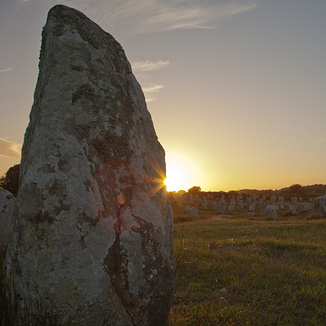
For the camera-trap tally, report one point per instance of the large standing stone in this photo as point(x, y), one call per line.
point(7, 206)
point(93, 238)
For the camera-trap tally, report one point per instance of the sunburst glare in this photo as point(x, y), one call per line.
point(175, 178)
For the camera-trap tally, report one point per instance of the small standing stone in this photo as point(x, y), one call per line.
point(320, 206)
point(221, 206)
point(271, 212)
point(294, 207)
point(305, 207)
point(262, 206)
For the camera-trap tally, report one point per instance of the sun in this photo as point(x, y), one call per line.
point(181, 170)
point(175, 178)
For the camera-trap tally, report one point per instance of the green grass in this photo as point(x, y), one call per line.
point(237, 271)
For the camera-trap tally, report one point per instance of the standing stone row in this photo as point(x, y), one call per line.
point(269, 209)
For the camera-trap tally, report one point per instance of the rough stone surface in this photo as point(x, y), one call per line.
point(262, 207)
point(7, 206)
point(271, 212)
point(93, 238)
point(192, 211)
point(293, 206)
point(231, 207)
point(240, 205)
point(252, 207)
point(320, 206)
point(221, 206)
point(305, 207)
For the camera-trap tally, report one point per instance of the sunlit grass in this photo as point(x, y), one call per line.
point(236, 271)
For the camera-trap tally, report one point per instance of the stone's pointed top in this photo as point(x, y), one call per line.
point(62, 13)
point(59, 11)
point(63, 20)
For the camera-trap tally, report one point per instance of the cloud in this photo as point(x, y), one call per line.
point(5, 70)
point(166, 15)
point(142, 66)
point(147, 16)
point(150, 90)
point(9, 149)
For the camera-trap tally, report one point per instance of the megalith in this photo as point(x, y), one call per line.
point(93, 235)
point(7, 206)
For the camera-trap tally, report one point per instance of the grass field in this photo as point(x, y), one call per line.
point(245, 270)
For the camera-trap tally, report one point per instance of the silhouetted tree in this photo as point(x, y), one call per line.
point(195, 190)
point(297, 190)
point(10, 181)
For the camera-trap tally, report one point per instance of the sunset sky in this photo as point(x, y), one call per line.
point(236, 88)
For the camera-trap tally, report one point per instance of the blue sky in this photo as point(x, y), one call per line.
point(236, 89)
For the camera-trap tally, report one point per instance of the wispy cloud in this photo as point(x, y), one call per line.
point(147, 16)
point(153, 88)
point(150, 90)
point(9, 149)
point(140, 67)
point(147, 65)
point(5, 70)
point(167, 15)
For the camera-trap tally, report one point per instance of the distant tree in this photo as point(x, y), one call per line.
point(10, 181)
point(232, 193)
point(296, 190)
point(195, 190)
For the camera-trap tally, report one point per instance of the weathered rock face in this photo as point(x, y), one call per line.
point(7, 206)
point(93, 236)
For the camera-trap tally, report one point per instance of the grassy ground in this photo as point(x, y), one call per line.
point(245, 270)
